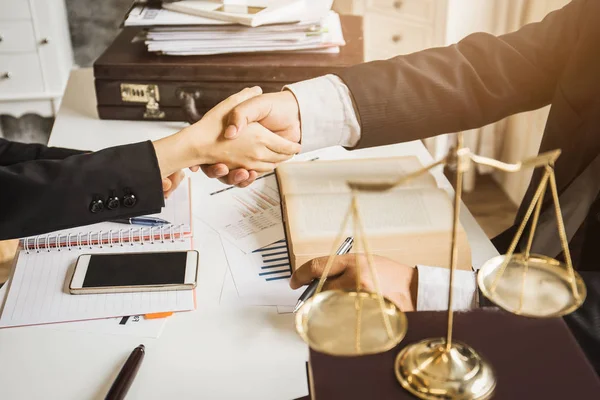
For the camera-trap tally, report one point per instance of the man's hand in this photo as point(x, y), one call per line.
point(278, 112)
point(398, 282)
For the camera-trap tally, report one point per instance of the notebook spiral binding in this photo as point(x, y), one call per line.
point(99, 239)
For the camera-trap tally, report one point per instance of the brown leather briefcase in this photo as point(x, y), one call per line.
point(133, 84)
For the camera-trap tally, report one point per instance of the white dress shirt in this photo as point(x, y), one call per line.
point(328, 118)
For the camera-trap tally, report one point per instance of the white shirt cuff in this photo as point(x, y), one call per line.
point(433, 284)
point(327, 115)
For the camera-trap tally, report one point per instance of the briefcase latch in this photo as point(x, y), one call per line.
point(148, 94)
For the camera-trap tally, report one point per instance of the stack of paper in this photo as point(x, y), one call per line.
point(313, 28)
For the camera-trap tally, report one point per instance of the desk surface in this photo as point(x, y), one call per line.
point(215, 352)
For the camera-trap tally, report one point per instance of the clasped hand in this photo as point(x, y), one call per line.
point(278, 112)
point(266, 129)
point(258, 150)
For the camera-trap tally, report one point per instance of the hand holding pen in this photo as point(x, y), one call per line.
point(312, 287)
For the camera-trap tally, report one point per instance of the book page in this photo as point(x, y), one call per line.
point(332, 176)
point(405, 211)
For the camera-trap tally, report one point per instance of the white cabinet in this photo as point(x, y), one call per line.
point(35, 56)
point(16, 36)
point(14, 9)
point(388, 38)
point(20, 76)
point(395, 27)
point(421, 10)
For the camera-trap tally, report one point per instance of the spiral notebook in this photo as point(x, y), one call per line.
point(38, 292)
point(177, 211)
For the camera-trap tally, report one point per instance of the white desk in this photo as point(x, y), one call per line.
point(215, 352)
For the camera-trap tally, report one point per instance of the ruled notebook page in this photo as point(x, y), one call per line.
point(39, 292)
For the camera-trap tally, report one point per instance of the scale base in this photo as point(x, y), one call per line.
point(430, 372)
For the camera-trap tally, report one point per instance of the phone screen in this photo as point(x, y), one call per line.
point(136, 269)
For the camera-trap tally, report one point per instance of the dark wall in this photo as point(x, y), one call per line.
point(94, 24)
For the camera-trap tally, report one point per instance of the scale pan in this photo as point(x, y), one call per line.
point(328, 323)
point(547, 291)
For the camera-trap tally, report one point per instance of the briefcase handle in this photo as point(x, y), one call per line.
point(188, 103)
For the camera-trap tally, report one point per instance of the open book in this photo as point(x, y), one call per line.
point(251, 13)
point(410, 224)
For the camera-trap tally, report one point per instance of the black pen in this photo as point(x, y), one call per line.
point(310, 290)
point(143, 221)
point(121, 385)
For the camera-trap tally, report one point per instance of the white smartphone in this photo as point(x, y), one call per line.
point(134, 272)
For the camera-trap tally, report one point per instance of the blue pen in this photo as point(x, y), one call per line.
point(143, 221)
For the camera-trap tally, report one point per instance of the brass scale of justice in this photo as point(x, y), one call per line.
point(356, 322)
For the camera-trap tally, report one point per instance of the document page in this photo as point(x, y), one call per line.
point(250, 218)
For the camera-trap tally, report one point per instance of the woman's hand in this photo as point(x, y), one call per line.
point(397, 282)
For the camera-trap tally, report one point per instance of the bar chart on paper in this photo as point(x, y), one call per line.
point(261, 277)
point(253, 215)
point(275, 261)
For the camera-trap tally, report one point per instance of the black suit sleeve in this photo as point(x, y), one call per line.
point(45, 195)
point(475, 82)
point(14, 152)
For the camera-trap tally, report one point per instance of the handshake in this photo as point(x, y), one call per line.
point(250, 133)
point(246, 134)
